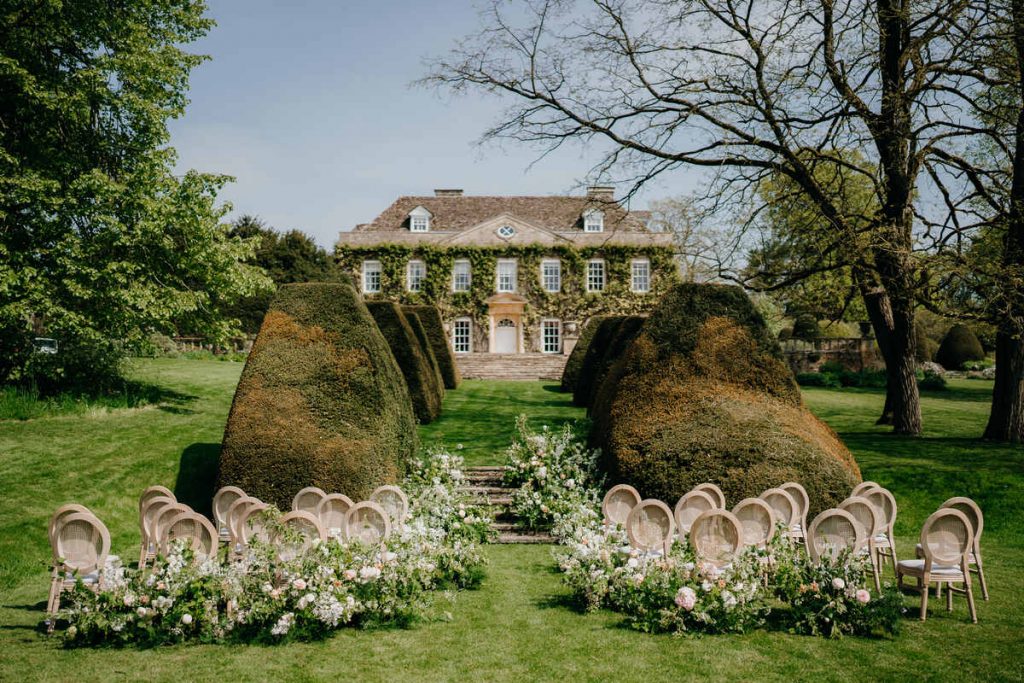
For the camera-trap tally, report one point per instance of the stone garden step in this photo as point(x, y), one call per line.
point(485, 482)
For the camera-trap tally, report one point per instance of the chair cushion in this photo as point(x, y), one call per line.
point(88, 579)
point(945, 571)
point(919, 551)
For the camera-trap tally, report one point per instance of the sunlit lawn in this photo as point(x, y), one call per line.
point(518, 626)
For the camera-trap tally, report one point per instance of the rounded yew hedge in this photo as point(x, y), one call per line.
point(430, 316)
point(428, 351)
point(590, 366)
point(321, 401)
point(573, 364)
point(959, 346)
point(702, 394)
point(424, 390)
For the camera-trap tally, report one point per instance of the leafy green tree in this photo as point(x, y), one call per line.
point(100, 242)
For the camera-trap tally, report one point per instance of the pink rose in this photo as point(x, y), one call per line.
point(863, 596)
point(686, 598)
point(299, 584)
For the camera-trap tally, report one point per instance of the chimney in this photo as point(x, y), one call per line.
point(604, 193)
point(448, 193)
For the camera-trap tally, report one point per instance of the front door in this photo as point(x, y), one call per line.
point(506, 336)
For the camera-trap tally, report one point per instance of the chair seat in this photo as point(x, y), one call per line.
point(938, 571)
point(89, 579)
point(919, 551)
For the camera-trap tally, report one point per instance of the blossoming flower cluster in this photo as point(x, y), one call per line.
point(554, 475)
point(264, 598)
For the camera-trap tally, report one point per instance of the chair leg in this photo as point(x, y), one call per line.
point(970, 597)
point(892, 549)
point(874, 570)
point(142, 555)
point(924, 600)
point(949, 597)
point(981, 575)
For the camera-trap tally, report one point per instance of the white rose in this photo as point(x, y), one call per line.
point(141, 611)
point(129, 599)
point(186, 619)
point(838, 584)
point(299, 584)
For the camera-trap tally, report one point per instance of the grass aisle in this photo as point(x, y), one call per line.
point(517, 626)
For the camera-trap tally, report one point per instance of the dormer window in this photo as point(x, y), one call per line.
point(593, 221)
point(419, 220)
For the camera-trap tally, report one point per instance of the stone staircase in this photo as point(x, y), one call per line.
point(524, 366)
point(486, 483)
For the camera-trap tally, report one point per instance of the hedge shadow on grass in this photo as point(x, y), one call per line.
point(197, 476)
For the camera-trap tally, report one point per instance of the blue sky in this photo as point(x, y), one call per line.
point(309, 105)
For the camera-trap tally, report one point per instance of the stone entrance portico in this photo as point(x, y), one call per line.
point(505, 312)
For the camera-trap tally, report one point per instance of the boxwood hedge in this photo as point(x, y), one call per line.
point(321, 401)
point(959, 346)
point(571, 372)
point(421, 336)
point(592, 358)
point(430, 316)
point(425, 392)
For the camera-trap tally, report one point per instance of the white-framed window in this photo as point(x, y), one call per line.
point(551, 275)
point(506, 231)
point(595, 275)
point(462, 335)
point(640, 275)
point(419, 220)
point(371, 277)
point(416, 271)
point(593, 221)
point(551, 336)
point(462, 275)
point(506, 275)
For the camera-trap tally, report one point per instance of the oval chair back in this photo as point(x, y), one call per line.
point(866, 514)
point(716, 493)
point(252, 525)
point(200, 534)
point(155, 492)
point(650, 526)
point(831, 532)
point(83, 543)
point(147, 525)
point(57, 520)
point(618, 502)
point(971, 511)
point(394, 501)
point(236, 512)
point(782, 504)
point(863, 487)
point(757, 521)
point(307, 526)
point(332, 511)
point(716, 537)
point(691, 506)
point(164, 517)
point(947, 538)
point(308, 499)
point(367, 522)
point(222, 500)
point(884, 501)
point(803, 504)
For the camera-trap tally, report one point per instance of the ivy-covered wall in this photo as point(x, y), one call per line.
point(572, 304)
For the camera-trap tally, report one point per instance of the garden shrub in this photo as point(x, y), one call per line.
point(806, 327)
point(959, 346)
point(926, 347)
point(321, 401)
point(931, 381)
point(434, 327)
point(589, 367)
point(571, 373)
point(428, 351)
point(818, 379)
point(425, 392)
point(620, 341)
point(703, 394)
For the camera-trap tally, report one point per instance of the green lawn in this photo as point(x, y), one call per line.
point(517, 627)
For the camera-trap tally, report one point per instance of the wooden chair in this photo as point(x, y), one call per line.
point(147, 526)
point(56, 522)
point(691, 506)
point(236, 514)
point(81, 546)
point(757, 521)
point(367, 522)
point(222, 501)
point(798, 529)
point(251, 525)
point(716, 493)
point(717, 537)
point(977, 520)
point(784, 507)
point(650, 526)
point(946, 541)
point(618, 502)
point(885, 542)
point(163, 518)
point(870, 518)
point(394, 501)
point(201, 534)
point(861, 488)
point(308, 527)
point(308, 498)
point(831, 532)
point(155, 492)
point(332, 511)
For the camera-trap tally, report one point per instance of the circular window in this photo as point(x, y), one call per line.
point(506, 231)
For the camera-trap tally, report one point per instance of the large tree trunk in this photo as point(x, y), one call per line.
point(1006, 421)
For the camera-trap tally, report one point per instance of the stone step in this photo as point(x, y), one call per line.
point(514, 366)
point(488, 491)
point(508, 538)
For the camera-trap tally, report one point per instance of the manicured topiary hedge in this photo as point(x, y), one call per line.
point(624, 335)
point(421, 336)
point(424, 390)
point(571, 372)
point(591, 364)
point(702, 394)
point(321, 401)
point(959, 346)
point(430, 316)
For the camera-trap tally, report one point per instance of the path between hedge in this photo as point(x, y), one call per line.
point(485, 481)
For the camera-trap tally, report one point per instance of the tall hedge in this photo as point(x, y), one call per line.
point(421, 336)
point(590, 367)
point(703, 394)
point(624, 335)
point(424, 390)
point(321, 401)
point(430, 316)
point(959, 346)
point(571, 372)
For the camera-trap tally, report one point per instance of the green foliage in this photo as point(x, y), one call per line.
point(433, 326)
point(930, 381)
point(321, 401)
point(806, 327)
point(425, 346)
point(818, 379)
point(620, 341)
point(572, 303)
point(424, 390)
point(959, 346)
point(703, 395)
point(926, 347)
point(591, 365)
point(573, 365)
point(102, 241)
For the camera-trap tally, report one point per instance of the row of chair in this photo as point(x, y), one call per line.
point(80, 544)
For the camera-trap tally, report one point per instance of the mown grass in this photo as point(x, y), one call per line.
point(518, 626)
